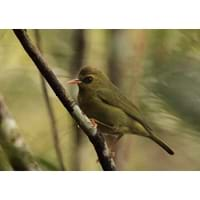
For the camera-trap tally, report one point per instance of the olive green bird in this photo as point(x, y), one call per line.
point(114, 114)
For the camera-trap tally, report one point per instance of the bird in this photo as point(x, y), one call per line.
point(109, 109)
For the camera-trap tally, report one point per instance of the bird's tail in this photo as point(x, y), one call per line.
point(161, 144)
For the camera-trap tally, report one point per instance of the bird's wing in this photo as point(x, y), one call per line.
point(113, 97)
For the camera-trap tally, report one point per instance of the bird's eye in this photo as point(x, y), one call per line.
point(88, 79)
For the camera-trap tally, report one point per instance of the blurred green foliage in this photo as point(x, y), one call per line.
point(158, 70)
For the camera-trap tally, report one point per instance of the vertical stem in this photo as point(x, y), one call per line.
point(51, 114)
point(78, 45)
point(79, 49)
point(114, 56)
point(94, 135)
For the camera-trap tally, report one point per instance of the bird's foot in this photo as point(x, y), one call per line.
point(93, 121)
point(113, 144)
point(112, 154)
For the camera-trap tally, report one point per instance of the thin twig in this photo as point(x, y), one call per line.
point(54, 129)
point(82, 120)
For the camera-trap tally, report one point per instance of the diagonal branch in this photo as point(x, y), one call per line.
point(50, 110)
point(82, 120)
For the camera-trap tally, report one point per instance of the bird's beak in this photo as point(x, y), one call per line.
point(74, 81)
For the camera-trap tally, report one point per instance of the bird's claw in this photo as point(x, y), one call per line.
point(94, 124)
point(112, 154)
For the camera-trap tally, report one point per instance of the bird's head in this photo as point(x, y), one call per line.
point(90, 78)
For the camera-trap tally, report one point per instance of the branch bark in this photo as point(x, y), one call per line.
point(54, 129)
point(13, 144)
point(82, 120)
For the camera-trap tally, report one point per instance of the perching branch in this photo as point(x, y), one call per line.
point(82, 120)
point(52, 119)
point(12, 142)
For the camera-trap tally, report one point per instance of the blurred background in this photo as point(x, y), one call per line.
point(159, 70)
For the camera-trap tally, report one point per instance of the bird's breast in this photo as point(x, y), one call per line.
point(87, 104)
point(112, 116)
